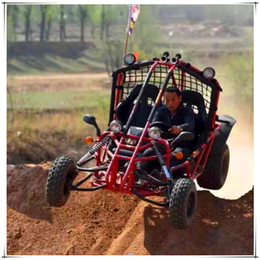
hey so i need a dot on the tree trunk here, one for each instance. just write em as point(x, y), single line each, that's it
point(62, 23)
point(83, 15)
point(82, 27)
point(92, 31)
point(42, 28)
point(64, 30)
point(107, 29)
point(27, 29)
point(48, 32)
point(28, 22)
point(102, 22)
point(15, 19)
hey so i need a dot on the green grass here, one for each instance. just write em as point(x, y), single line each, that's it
point(65, 99)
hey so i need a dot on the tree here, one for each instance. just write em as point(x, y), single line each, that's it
point(27, 24)
point(48, 31)
point(12, 21)
point(47, 14)
point(111, 52)
point(109, 14)
point(83, 12)
point(144, 37)
point(43, 10)
point(26, 15)
point(102, 25)
point(50, 14)
point(94, 14)
point(62, 24)
point(142, 40)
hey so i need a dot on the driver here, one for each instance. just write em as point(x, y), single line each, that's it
point(180, 119)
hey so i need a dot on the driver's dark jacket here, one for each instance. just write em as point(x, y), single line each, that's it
point(184, 117)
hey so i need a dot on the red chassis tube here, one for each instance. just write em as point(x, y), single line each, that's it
point(130, 147)
point(111, 178)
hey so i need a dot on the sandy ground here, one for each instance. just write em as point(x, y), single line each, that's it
point(107, 223)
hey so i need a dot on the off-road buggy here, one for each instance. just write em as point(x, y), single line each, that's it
point(137, 92)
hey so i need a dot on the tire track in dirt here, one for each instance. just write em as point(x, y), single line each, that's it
point(107, 223)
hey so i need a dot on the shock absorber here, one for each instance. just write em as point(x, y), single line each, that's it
point(161, 160)
point(165, 169)
point(93, 150)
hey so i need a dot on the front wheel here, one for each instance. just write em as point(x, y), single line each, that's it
point(183, 203)
point(60, 178)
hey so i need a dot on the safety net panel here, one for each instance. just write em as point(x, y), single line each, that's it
point(136, 76)
point(180, 79)
point(194, 84)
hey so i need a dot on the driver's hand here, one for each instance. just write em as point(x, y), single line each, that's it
point(174, 130)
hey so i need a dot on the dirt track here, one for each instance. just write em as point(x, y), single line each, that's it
point(106, 223)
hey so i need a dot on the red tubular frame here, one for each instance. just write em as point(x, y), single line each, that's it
point(111, 173)
point(118, 91)
point(127, 178)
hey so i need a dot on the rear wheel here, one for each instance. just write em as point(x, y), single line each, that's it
point(60, 178)
point(183, 203)
point(215, 172)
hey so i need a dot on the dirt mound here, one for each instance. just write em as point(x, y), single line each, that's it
point(109, 223)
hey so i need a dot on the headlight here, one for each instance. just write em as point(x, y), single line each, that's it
point(154, 133)
point(116, 126)
point(129, 59)
point(208, 73)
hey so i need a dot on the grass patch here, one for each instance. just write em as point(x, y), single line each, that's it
point(65, 99)
point(35, 136)
point(45, 115)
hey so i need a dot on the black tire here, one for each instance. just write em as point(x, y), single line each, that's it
point(61, 175)
point(215, 172)
point(183, 203)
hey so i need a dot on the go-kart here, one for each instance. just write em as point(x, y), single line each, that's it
point(137, 92)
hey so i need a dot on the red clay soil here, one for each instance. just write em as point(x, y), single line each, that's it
point(107, 223)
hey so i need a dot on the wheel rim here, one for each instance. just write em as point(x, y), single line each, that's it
point(190, 205)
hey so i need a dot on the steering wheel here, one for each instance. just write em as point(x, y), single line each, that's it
point(163, 126)
point(184, 136)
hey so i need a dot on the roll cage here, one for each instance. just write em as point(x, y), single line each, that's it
point(107, 173)
point(183, 76)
